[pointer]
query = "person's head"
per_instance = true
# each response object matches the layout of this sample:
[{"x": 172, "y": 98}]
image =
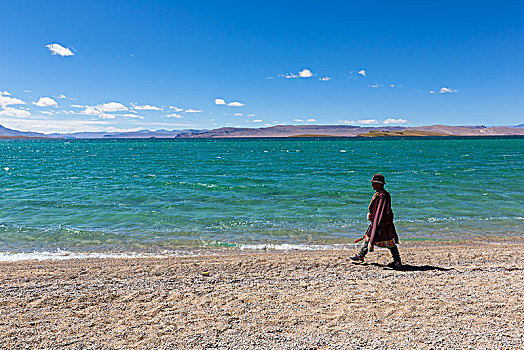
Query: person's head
[{"x": 378, "y": 181}]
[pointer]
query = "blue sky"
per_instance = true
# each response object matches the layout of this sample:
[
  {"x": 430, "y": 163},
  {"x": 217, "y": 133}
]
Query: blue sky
[{"x": 128, "y": 65}]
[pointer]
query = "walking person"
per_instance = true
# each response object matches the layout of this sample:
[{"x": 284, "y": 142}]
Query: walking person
[{"x": 381, "y": 231}]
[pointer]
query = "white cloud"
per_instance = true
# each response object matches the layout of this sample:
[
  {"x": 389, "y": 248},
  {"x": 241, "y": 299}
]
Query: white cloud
[
  {"x": 62, "y": 126},
  {"x": 14, "y": 112},
  {"x": 176, "y": 108},
  {"x": 6, "y": 101},
  {"x": 395, "y": 121},
  {"x": 47, "y": 112},
  {"x": 78, "y": 106},
  {"x": 376, "y": 85},
  {"x": 147, "y": 108},
  {"x": 235, "y": 104},
  {"x": 238, "y": 114},
  {"x": 101, "y": 110},
  {"x": 361, "y": 121},
  {"x": 431, "y": 91},
  {"x": 62, "y": 96},
  {"x": 257, "y": 121},
  {"x": 324, "y": 79},
  {"x": 251, "y": 115},
  {"x": 362, "y": 72},
  {"x": 306, "y": 73},
  {"x": 222, "y": 102},
  {"x": 173, "y": 115},
  {"x": 111, "y": 107},
  {"x": 193, "y": 111},
  {"x": 298, "y": 120},
  {"x": 367, "y": 121},
  {"x": 130, "y": 115},
  {"x": 312, "y": 120},
  {"x": 45, "y": 102},
  {"x": 27, "y": 91},
  {"x": 57, "y": 49},
  {"x": 5, "y": 93},
  {"x": 444, "y": 90}
]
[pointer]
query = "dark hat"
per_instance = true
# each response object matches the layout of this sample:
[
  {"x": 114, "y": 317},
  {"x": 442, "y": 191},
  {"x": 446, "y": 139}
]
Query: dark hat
[{"x": 378, "y": 178}]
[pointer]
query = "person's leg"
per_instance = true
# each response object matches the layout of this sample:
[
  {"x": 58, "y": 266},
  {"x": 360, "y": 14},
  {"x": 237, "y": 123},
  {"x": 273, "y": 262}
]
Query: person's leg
[
  {"x": 395, "y": 253},
  {"x": 363, "y": 251},
  {"x": 361, "y": 254}
]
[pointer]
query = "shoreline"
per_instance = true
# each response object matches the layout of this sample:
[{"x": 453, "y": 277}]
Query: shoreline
[
  {"x": 237, "y": 249},
  {"x": 458, "y": 295}
]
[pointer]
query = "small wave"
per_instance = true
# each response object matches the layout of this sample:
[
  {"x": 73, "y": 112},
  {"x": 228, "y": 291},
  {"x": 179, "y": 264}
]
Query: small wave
[{"x": 66, "y": 255}]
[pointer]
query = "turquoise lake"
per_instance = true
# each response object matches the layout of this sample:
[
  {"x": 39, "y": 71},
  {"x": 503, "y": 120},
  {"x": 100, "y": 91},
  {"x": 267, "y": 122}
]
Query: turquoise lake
[{"x": 153, "y": 195}]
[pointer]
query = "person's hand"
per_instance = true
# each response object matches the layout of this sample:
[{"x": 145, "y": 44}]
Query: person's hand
[
  {"x": 369, "y": 216},
  {"x": 371, "y": 247}
]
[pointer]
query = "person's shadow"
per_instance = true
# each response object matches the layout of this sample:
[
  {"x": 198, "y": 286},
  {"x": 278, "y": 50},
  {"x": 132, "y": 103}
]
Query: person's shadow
[{"x": 408, "y": 267}]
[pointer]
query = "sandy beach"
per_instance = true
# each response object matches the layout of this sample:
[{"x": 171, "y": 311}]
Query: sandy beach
[{"x": 449, "y": 295}]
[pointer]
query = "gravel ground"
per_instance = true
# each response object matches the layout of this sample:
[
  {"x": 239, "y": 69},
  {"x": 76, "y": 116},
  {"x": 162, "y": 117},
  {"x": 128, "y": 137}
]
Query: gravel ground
[{"x": 458, "y": 296}]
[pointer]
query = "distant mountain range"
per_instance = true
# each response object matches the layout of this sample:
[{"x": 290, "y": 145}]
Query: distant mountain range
[{"x": 284, "y": 131}]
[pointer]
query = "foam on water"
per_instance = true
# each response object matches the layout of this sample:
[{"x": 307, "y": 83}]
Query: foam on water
[{"x": 67, "y": 255}]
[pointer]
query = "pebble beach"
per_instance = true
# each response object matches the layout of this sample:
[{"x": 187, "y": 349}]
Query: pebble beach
[{"x": 448, "y": 295}]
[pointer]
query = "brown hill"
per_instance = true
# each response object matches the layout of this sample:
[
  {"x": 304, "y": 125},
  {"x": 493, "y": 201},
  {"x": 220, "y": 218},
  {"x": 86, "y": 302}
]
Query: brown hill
[{"x": 406, "y": 132}]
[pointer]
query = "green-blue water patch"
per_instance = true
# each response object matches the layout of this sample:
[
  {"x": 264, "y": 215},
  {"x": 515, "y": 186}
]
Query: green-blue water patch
[{"x": 89, "y": 195}]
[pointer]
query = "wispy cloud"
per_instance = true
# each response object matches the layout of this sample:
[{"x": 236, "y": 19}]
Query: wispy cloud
[
  {"x": 45, "y": 102},
  {"x": 361, "y": 121},
  {"x": 193, "y": 110},
  {"x": 324, "y": 78},
  {"x": 257, "y": 121},
  {"x": 298, "y": 120},
  {"x": 176, "y": 109},
  {"x": 235, "y": 104},
  {"x": 130, "y": 115},
  {"x": 305, "y": 73},
  {"x": 173, "y": 115},
  {"x": 445, "y": 90},
  {"x": 376, "y": 85},
  {"x": 146, "y": 108},
  {"x": 5, "y": 93},
  {"x": 103, "y": 109},
  {"x": 47, "y": 112},
  {"x": 222, "y": 102},
  {"x": 311, "y": 120},
  {"x": 395, "y": 121},
  {"x": 354, "y": 74},
  {"x": 14, "y": 112},
  {"x": 6, "y": 101},
  {"x": 238, "y": 114},
  {"x": 57, "y": 49}
]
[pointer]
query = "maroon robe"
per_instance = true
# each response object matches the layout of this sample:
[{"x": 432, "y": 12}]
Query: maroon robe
[{"x": 381, "y": 232}]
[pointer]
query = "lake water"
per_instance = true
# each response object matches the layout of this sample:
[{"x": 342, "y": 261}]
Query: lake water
[{"x": 134, "y": 195}]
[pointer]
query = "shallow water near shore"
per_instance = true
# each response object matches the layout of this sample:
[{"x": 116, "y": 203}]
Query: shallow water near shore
[{"x": 157, "y": 195}]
